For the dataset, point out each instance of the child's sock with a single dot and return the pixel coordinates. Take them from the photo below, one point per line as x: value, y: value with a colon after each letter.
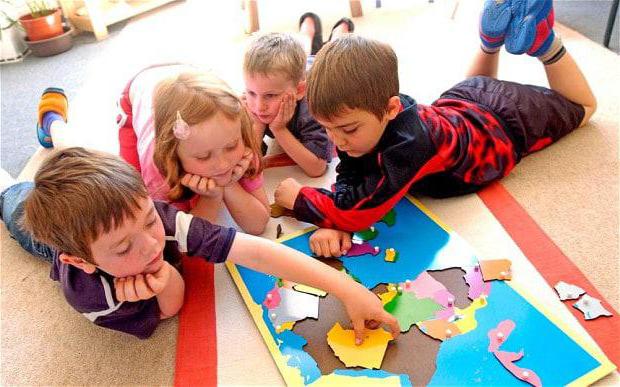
x: 494, y: 21
x: 552, y: 51
x: 52, y: 106
x: 547, y: 46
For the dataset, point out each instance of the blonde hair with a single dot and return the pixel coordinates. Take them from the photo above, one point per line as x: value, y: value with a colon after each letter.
x: 352, y: 72
x: 78, y: 195
x: 196, y: 96
x: 276, y: 53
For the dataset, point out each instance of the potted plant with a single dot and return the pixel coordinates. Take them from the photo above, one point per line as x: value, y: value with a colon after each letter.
x: 12, y: 45
x: 46, y: 34
x: 44, y: 20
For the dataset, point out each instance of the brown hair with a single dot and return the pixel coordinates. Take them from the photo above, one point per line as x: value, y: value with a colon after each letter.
x: 352, y: 72
x: 196, y: 96
x: 276, y: 53
x: 78, y: 195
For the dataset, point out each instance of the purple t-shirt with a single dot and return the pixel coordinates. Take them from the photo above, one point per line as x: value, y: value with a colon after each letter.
x: 93, y: 294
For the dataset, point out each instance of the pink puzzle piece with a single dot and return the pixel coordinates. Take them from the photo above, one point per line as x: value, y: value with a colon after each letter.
x: 477, y: 286
x: 363, y: 248
x: 497, y: 337
x: 272, y: 299
x: 444, y: 298
x: 445, y: 314
x: 425, y: 286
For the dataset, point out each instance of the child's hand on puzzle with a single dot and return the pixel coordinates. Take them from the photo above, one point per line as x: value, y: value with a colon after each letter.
x: 242, y: 165
x: 287, y: 192
x: 285, y: 113
x: 326, y: 242
x: 142, y: 286
x: 201, y: 185
x: 366, y: 311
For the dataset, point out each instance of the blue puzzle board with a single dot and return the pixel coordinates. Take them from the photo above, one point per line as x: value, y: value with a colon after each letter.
x: 424, y: 244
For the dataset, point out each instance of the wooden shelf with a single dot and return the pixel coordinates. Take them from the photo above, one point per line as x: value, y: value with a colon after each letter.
x: 99, y: 14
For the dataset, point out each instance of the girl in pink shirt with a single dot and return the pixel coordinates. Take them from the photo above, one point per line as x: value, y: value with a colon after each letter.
x: 191, y: 139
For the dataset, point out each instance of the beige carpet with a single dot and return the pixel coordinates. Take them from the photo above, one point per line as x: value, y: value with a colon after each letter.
x: 570, y: 189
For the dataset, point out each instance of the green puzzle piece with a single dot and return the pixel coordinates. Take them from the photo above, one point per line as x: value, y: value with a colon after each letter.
x: 409, y: 310
x: 366, y: 235
x: 390, y: 218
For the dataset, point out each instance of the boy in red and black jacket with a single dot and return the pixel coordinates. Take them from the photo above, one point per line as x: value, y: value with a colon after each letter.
x: 475, y: 133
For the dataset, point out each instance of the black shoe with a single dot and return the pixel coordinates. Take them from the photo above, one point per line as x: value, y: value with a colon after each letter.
x: 317, y: 39
x: 346, y: 20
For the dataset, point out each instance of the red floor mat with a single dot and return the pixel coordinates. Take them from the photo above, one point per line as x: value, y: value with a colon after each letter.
x: 554, y: 266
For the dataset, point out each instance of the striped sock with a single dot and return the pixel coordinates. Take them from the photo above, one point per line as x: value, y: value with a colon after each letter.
x: 52, y: 106
x: 554, y: 52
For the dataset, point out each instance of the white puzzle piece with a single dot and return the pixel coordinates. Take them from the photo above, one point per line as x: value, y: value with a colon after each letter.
x: 294, y: 306
x: 568, y: 291
x: 591, y: 307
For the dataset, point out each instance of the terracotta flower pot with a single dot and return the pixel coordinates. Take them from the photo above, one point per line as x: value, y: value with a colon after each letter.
x: 44, y: 27
x: 52, y: 46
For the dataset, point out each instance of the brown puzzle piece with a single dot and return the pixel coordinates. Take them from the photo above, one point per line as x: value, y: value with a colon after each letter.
x: 278, y: 211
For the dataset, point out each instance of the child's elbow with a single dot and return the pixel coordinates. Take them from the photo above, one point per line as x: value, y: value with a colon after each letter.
x: 317, y: 168
x: 259, y: 227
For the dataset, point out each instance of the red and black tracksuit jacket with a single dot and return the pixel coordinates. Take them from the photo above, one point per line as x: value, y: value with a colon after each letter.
x: 449, y: 148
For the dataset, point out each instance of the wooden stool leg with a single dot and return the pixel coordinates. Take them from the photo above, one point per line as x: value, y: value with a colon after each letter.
x: 251, y: 9
x: 96, y: 19
x: 356, y: 8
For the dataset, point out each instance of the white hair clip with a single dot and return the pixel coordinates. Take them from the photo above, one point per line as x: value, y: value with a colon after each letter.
x: 181, y: 129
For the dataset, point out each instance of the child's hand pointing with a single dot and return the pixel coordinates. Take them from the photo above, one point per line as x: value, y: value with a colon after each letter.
x: 366, y: 311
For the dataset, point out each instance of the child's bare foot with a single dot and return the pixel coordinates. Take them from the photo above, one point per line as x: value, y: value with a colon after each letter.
x: 342, y: 26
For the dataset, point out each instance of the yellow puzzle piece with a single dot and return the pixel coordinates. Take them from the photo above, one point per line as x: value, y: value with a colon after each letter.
x: 310, y: 290
x: 468, y: 322
x: 391, y: 255
x: 368, y: 355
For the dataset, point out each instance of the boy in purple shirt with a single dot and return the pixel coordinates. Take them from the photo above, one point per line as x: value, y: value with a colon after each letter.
x: 274, y: 71
x: 113, y: 249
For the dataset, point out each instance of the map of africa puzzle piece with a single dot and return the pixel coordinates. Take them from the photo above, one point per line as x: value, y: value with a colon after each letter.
x: 391, y: 255
x: 366, y: 235
x: 499, y: 335
x: 591, y: 307
x: 439, y: 329
x: 568, y: 291
x: 424, y: 286
x: 390, y: 218
x: 369, y: 354
x: 272, y: 298
x: 477, y: 286
x: 496, y: 269
x: 363, y: 248
x: 408, y: 309
x: 309, y: 290
x: 294, y: 306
